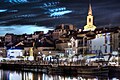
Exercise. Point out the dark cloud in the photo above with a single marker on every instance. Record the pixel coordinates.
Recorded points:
(53, 12)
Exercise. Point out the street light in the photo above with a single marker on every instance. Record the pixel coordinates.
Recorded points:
(49, 52)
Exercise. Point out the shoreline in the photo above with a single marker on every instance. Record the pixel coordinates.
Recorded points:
(59, 68)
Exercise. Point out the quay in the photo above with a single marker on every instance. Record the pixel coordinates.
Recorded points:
(58, 68)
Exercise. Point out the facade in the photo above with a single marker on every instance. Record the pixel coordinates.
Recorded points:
(101, 43)
(37, 34)
(2, 52)
(9, 37)
(115, 41)
(72, 48)
(62, 29)
(106, 40)
(14, 53)
(2, 38)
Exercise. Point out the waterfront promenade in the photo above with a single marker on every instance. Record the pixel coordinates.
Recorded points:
(50, 68)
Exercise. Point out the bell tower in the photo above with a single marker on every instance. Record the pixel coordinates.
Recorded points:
(90, 17)
(89, 25)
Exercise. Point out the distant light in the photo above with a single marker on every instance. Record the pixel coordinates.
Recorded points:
(17, 1)
(57, 9)
(55, 14)
(49, 52)
(69, 44)
(80, 30)
(39, 40)
(12, 11)
(26, 15)
(38, 52)
(30, 58)
(115, 52)
(1, 51)
(3, 10)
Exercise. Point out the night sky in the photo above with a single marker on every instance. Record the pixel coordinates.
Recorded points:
(27, 16)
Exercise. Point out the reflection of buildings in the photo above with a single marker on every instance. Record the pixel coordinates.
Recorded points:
(13, 75)
(9, 75)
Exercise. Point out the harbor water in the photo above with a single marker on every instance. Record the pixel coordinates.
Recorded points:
(15, 75)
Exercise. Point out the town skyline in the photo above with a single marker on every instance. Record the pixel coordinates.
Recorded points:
(106, 14)
(54, 41)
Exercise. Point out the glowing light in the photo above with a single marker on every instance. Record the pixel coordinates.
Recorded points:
(3, 10)
(57, 9)
(50, 4)
(12, 11)
(26, 15)
(60, 13)
(17, 1)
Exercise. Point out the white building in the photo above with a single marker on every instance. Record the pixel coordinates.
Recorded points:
(100, 43)
(14, 53)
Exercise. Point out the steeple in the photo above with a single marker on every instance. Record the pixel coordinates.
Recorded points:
(90, 10)
(89, 25)
(90, 17)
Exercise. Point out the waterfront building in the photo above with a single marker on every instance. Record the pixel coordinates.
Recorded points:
(84, 38)
(2, 41)
(10, 40)
(2, 51)
(9, 37)
(14, 53)
(115, 40)
(62, 29)
(37, 34)
(20, 38)
(2, 38)
(106, 40)
(28, 37)
(101, 43)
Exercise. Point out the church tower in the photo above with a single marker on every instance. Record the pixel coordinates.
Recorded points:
(89, 26)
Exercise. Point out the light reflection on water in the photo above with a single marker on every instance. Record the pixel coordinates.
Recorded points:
(13, 75)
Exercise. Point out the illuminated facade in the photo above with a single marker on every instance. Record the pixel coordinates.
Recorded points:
(89, 26)
(101, 43)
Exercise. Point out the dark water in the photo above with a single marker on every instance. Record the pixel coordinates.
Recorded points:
(14, 75)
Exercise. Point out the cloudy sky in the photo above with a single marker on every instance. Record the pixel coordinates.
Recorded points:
(27, 16)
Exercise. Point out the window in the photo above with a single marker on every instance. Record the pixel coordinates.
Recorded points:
(89, 19)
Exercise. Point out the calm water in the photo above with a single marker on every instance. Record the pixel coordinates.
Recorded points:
(14, 75)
